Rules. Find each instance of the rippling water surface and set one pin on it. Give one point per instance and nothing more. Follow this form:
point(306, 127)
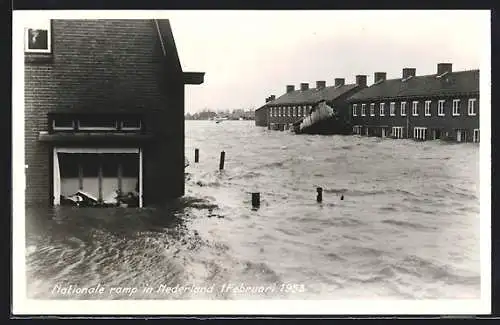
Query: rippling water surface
point(408, 226)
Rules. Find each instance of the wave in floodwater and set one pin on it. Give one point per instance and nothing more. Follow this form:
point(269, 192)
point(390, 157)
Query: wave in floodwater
point(407, 226)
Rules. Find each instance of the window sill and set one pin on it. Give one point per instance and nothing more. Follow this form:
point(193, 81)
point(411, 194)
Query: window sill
point(38, 57)
point(455, 114)
point(441, 115)
point(428, 115)
point(472, 114)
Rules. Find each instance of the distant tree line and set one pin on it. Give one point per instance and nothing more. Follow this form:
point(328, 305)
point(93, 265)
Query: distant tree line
point(235, 114)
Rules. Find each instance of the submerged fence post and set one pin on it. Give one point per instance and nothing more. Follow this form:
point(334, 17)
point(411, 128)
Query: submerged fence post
point(319, 197)
point(196, 155)
point(255, 200)
point(221, 162)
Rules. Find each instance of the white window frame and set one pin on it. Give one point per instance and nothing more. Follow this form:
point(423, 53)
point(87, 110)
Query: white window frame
point(441, 107)
point(414, 108)
point(428, 108)
point(420, 133)
point(131, 128)
point(363, 109)
point(392, 109)
point(474, 137)
point(56, 179)
point(97, 128)
point(354, 109)
point(471, 107)
point(456, 107)
point(63, 128)
point(397, 132)
point(372, 109)
point(403, 109)
point(382, 109)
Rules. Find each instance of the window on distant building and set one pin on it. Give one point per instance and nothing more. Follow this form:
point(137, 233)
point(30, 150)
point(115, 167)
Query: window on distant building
point(476, 135)
point(372, 109)
point(130, 124)
point(363, 109)
point(403, 108)
point(427, 108)
point(441, 107)
point(472, 107)
point(354, 109)
point(382, 109)
point(456, 107)
point(415, 108)
point(392, 109)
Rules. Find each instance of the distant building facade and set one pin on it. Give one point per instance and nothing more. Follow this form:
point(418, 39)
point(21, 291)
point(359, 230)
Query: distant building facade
point(104, 111)
point(294, 105)
point(444, 105)
point(262, 113)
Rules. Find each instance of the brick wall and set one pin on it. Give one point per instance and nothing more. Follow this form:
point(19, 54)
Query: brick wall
point(108, 66)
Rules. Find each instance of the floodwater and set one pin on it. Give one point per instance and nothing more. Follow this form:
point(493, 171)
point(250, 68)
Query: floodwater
point(407, 228)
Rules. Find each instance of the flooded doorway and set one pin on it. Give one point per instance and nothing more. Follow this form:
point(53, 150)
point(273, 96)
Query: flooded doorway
point(98, 177)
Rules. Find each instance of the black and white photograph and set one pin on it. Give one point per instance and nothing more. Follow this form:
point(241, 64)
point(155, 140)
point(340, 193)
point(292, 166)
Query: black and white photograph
point(251, 162)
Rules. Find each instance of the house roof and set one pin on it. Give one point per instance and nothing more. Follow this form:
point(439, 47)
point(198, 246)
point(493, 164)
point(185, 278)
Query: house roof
point(454, 83)
point(312, 95)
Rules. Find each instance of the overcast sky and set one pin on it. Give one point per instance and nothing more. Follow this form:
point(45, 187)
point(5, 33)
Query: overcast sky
point(249, 55)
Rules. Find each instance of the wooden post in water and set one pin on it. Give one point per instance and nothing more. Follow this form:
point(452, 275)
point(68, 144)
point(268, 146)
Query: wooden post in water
point(221, 162)
point(196, 155)
point(319, 197)
point(255, 200)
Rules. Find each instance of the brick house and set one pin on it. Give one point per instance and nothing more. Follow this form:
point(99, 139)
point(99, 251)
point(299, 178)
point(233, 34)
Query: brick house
point(444, 105)
point(294, 105)
point(104, 111)
point(262, 113)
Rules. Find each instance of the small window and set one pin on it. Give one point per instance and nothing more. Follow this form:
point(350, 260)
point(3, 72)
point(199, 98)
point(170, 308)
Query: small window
point(392, 109)
point(130, 125)
point(372, 109)
point(476, 135)
point(415, 109)
point(403, 108)
point(63, 124)
point(363, 109)
point(456, 107)
point(37, 37)
point(382, 109)
point(441, 108)
point(354, 109)
point(472, 107)
point(97, 124)
point(427, 108)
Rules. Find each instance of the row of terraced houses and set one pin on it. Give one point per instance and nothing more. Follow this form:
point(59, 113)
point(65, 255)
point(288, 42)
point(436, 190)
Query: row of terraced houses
point(444, 105)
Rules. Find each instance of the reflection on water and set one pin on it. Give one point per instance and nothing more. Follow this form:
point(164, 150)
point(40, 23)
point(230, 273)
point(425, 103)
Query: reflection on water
point(407, 228)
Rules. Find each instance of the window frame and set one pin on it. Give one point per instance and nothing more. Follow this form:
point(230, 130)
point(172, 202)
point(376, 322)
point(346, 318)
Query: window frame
point(457, 106)
point(382, 109)
point(473, 111)
point(414, 108)
point(392, 109)
point(354, 109)
point(441, 107)
point(130, 128)
point(372, 109)
point(363, 109)
point(63, 128)
point(427, 108)
point(47, 26)
point(403, 108)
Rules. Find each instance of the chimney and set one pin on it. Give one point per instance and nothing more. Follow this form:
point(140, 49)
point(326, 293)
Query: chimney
point(409, 72)
point(268, 99)
point(339, 82)
point(379, 76)
point(361, 80)
point(443, 67)
point(271, 98)
point(304, 86)
point(320, 84)
point(290, 88)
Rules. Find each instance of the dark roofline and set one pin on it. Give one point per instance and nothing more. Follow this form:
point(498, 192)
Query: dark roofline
point(353, 98)
point(313, 101)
